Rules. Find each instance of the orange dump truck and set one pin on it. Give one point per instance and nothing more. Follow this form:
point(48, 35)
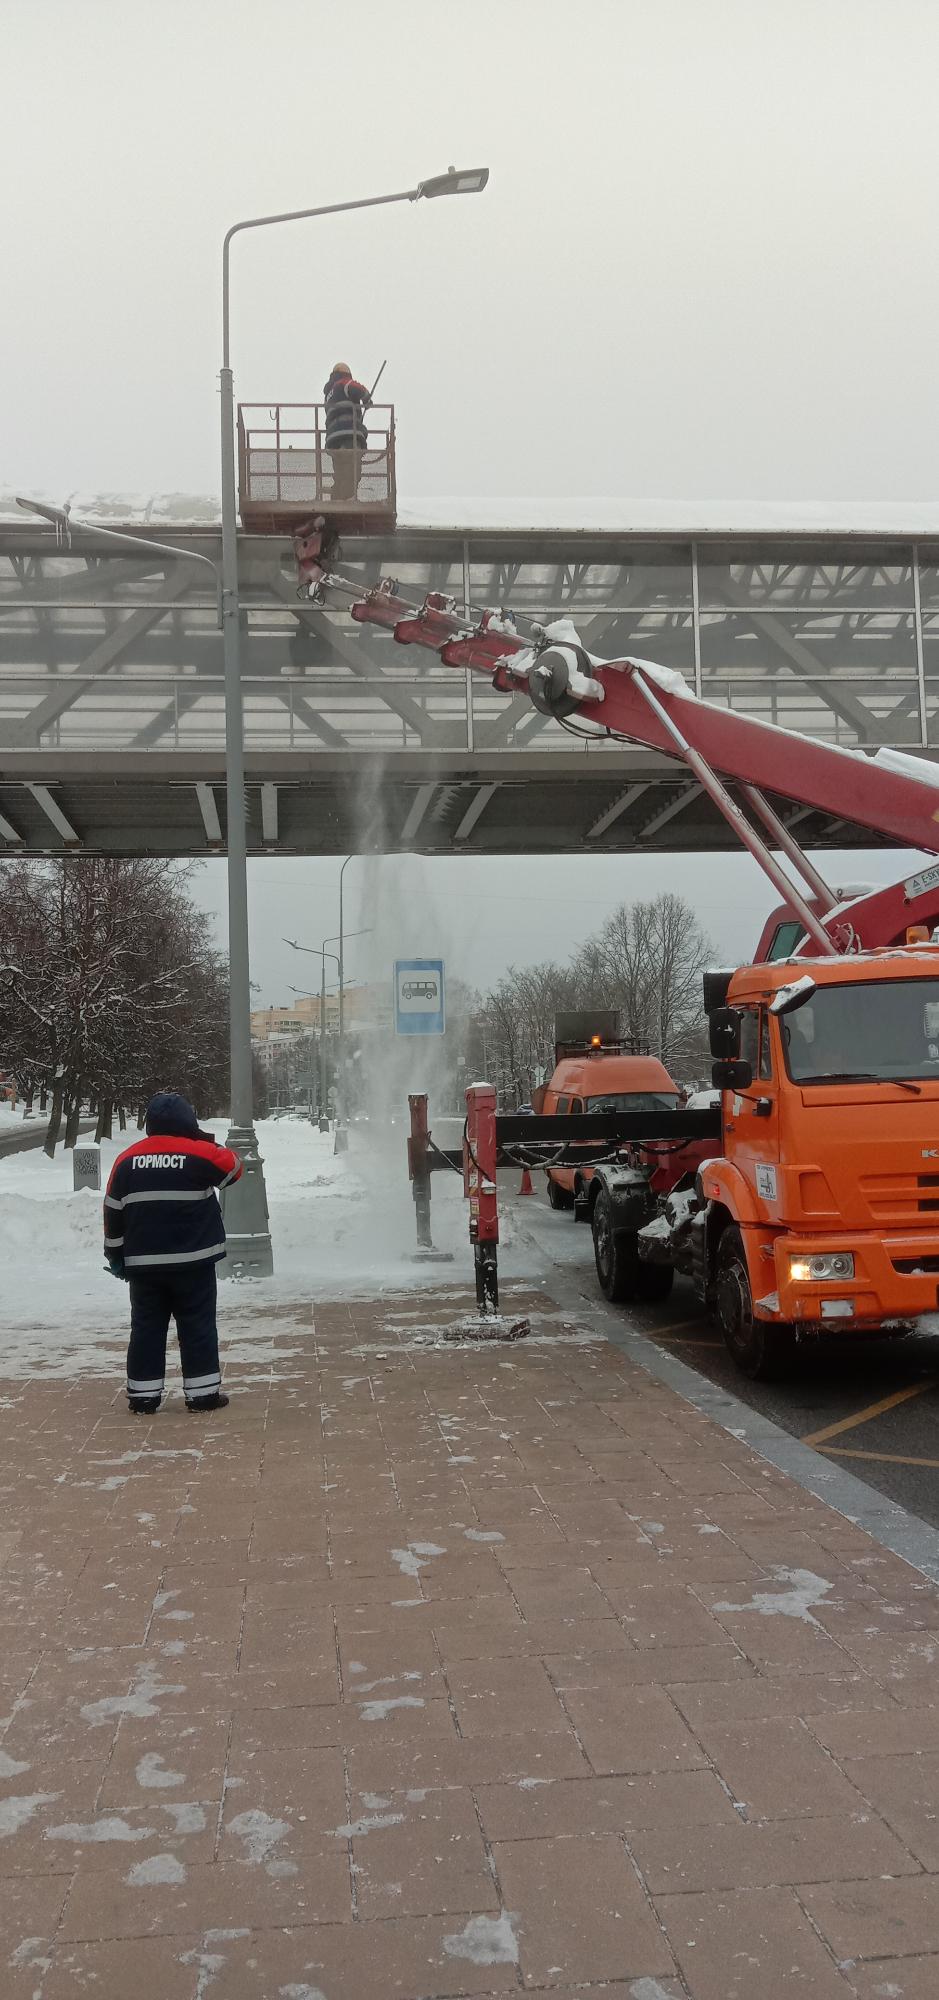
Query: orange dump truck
point(819, 1210)
point(593, 1074)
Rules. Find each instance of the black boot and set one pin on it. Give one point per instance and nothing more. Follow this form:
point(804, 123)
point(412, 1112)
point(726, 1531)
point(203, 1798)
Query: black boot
point(217, 1401)
point(143, 1406)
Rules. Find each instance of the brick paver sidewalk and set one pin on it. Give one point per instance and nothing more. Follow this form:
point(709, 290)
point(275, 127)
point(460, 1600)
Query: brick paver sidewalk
point(425, 1671)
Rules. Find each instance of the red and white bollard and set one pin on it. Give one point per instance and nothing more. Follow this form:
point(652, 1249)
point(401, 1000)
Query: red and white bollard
point(419, 1172)
point(479, 1184)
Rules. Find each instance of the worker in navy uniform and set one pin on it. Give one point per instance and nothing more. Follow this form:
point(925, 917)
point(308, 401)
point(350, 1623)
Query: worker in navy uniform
point(346, 402)
point(163, 1232)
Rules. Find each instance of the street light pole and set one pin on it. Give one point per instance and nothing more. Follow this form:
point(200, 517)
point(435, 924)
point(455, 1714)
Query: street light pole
point(349, 857)
point(319, 951)
point(324, 1116)
point(341, 1135)
point(247, 1224)
point(245, 1202)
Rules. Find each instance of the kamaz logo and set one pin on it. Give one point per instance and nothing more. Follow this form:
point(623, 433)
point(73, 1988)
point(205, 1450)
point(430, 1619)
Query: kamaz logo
point(931, 1152)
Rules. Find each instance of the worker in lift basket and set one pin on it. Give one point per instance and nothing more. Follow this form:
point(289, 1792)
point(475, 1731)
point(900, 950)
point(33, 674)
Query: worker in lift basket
point(163, 1232)
point(346, 402)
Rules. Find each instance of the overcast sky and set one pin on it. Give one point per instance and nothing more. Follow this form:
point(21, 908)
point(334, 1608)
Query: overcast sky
point(704, 266)
point(703, 270)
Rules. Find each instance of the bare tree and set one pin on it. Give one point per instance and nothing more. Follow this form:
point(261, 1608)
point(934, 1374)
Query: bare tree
point(651, 958)
point(107, 988)
point(645, 963)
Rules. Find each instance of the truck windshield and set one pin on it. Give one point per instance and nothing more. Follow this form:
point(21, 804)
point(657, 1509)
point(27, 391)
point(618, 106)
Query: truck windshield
point(874, 1030)
point(635, 1100)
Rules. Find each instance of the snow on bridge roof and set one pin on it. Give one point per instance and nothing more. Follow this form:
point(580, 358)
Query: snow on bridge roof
point(680, 520)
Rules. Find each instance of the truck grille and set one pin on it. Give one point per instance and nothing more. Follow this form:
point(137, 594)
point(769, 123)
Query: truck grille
point(900, 1197)
point(892, 1197)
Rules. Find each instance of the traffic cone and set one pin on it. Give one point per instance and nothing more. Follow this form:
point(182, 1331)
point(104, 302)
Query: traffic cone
point(526, 1187)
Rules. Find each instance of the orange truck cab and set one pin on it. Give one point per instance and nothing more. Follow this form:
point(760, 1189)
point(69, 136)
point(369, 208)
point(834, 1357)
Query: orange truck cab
point(592, 1074)
point(819, 1211)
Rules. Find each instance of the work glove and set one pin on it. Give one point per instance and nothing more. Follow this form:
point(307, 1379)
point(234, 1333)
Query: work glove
point(116, 1267)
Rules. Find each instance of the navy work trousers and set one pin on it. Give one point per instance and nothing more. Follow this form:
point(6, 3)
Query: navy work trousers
point(186, 1293)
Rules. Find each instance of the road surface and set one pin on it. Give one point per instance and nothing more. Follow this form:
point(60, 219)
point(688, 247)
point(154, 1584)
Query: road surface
point(33, 1135)
point(871, 1407)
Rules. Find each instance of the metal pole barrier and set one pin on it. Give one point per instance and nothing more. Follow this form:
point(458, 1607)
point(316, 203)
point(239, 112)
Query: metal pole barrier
point(324, 1117)
point(479, 1183)
point(342, 1140)
point(245, 1202)
point(419, 1170)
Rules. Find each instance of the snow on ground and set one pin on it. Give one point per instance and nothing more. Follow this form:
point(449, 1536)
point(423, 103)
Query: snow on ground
point(13, 1121)
point(342, 1226)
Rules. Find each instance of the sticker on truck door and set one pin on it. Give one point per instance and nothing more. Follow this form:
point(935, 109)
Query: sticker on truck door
point(766, 1183)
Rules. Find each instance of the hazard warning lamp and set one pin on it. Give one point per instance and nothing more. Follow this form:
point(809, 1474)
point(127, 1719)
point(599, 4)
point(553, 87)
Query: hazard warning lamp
point(596, 1042)
point(917, 934)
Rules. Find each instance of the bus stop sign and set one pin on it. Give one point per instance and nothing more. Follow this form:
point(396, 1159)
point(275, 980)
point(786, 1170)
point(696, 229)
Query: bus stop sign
point(419, 996)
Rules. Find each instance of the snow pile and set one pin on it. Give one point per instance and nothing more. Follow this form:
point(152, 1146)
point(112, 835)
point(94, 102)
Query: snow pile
point(13, 1121)
point(52, 1262)
point(342, 1226)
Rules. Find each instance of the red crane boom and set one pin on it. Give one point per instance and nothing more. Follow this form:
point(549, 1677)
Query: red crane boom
point(639, 702)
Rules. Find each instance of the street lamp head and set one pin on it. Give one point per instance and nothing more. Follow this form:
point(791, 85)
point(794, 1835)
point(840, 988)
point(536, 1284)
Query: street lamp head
point(64, 524)
point(462, 180)
point(57, 515)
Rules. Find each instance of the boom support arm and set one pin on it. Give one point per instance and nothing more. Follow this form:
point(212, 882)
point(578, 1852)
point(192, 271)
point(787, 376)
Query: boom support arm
point(647, 704)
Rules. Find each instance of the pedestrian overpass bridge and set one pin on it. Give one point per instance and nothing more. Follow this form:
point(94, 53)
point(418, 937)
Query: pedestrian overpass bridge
point(112, 695)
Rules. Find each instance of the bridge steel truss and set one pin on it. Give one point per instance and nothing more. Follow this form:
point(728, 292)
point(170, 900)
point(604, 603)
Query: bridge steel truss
point(112, 697)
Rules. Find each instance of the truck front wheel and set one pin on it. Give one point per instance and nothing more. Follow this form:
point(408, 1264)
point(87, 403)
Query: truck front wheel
point(616, 1253)
point(760, 1349)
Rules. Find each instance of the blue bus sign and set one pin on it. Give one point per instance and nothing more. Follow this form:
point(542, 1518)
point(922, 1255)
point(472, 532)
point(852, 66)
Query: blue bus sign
point(419, 996)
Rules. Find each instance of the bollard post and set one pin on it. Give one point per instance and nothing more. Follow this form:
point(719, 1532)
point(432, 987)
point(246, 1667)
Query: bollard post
point(479, 1184)
point(419, 1170)
point(86, 1167)
point(419, 1165)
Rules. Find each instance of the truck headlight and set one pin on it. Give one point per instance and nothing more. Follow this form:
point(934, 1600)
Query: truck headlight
point(832, 1264)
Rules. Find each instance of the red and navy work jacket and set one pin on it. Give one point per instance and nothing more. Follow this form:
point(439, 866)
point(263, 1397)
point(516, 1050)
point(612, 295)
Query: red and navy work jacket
point(346, 402)
point(161, 1209)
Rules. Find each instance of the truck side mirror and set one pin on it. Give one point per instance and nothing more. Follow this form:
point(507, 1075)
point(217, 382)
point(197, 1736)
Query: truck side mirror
point(732, 1075)
point(724, 1026)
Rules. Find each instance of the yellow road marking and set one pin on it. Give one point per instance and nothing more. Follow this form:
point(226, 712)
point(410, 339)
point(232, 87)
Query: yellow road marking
point(677, 1326)
point(884, 1457)
point(692, 1340)
point(872, 1410)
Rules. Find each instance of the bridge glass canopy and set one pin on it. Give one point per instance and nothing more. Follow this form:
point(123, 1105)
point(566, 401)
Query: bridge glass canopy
point(103, 652)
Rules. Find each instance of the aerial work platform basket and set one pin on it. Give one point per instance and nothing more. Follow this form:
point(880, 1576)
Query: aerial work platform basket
point(286, 475)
